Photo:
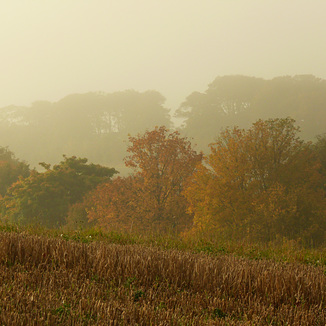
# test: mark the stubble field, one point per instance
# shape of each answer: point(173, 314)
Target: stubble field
point(55, 281)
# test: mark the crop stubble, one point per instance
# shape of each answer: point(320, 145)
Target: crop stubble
point(47, 281)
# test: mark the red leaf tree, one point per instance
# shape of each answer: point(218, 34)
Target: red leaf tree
point(152, 199)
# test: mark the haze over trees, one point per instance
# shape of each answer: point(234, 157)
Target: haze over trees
point(257, 184)
point(241, 100)
point(260, 179)
point(92, 125)
point(96, 125)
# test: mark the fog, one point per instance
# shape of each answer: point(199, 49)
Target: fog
point(136, 90)
point(50, 49)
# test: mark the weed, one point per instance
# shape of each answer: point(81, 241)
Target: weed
point(63, 309)
point(138, 294)
point(218, 313)
point(129, 282)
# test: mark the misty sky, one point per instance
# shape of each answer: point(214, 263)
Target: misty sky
point(52, 48)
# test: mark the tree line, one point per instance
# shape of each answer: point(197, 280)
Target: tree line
point(96, 125)
point(92, 125)
point(242, 100)
point(255, 183)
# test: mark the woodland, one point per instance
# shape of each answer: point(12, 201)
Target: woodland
point(248, 162)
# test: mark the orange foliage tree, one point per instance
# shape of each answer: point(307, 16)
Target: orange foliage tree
point(259, 183)
point(114, 205)
point(151, 199)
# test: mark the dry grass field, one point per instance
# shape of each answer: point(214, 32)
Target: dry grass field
point(56, 281)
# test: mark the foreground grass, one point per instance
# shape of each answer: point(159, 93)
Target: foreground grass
point(282, 250)
point(52, 278)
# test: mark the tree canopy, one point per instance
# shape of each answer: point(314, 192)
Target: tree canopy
point(241, 100)
point(151, 199)
point(44, 198)
point(260, 182)
point(10, 169)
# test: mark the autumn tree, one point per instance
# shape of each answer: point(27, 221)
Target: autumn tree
point(10, 169)
point(152, 198)
point(320, 148)
point(115, 205)
point(163, 161)
point(260, 182)
point(44, 198)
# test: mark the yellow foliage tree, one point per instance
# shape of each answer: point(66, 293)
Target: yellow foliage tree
point(259, 183)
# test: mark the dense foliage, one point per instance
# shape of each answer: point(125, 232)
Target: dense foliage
point(260, 183)
point(151, 199)
point(10, 169)
point(44, 198)
point(259, 179)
